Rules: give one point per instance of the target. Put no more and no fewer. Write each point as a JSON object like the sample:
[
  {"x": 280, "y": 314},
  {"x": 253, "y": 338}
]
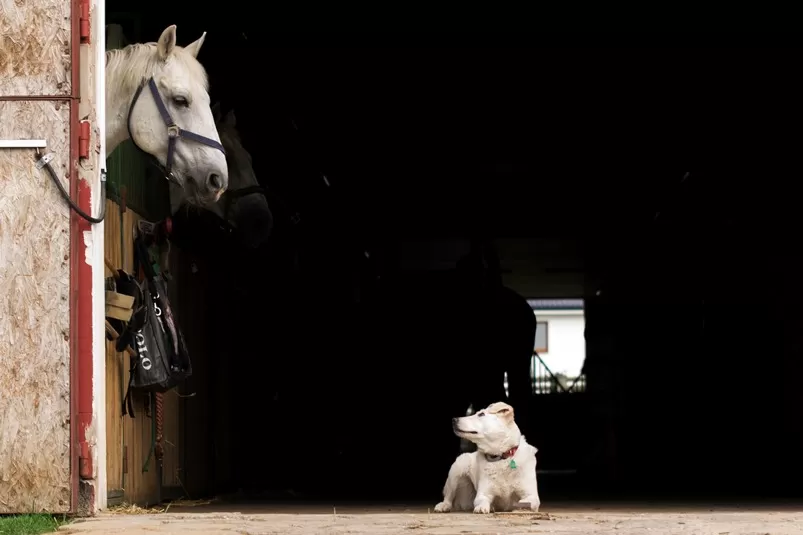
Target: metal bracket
[
  {"x": 44, "y": 160},
  {"x": 23, "y": 143}
]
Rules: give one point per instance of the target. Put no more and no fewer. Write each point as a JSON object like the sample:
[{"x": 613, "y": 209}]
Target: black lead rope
[
  {"x": 43, "y": 162},
  {"x": 174, "y": 132}
]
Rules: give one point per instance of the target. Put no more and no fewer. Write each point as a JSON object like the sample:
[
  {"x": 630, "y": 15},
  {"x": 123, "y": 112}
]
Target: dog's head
[{"x": 492, "y": 429}]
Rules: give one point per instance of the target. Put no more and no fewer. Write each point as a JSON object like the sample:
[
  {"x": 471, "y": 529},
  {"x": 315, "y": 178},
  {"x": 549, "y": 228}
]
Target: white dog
[{"x": 499, "y": 474}]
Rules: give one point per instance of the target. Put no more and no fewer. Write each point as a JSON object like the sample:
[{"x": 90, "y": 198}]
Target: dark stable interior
[{"x": 334, "y": 373}]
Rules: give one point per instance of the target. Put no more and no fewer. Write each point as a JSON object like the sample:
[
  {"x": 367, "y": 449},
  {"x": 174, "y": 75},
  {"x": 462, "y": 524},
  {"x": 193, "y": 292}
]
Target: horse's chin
[
  {"x": 197, "y": 200},
  {"x": 192, "y": 201},
  {"x": 207, "y": 201}
]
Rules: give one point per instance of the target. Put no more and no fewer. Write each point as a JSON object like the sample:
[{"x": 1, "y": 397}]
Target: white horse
[
  {"x": 244, "y": 205},
  {"x": 157, "y": 94}
]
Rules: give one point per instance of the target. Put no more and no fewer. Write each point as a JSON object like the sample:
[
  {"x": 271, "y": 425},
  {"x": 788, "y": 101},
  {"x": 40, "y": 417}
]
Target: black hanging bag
[{"x": 161, "y": 358}]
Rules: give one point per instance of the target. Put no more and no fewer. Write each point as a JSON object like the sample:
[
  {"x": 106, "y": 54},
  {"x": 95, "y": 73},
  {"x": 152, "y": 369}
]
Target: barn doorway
[{"x": 319, "y": 356}]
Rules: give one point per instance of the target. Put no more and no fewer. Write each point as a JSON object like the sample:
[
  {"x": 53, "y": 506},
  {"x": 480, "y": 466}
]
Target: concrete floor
[{"x": 297, "y": 519}]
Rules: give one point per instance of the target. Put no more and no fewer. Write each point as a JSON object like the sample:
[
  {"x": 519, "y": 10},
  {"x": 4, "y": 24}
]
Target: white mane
[{"x": 128, "y": 66}]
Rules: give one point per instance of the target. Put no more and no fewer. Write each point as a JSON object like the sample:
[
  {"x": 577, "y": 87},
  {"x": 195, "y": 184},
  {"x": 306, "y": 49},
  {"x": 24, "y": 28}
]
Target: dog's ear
[
  {"x": 505, "y": 413},
  {"x": 502, "y": 410}
]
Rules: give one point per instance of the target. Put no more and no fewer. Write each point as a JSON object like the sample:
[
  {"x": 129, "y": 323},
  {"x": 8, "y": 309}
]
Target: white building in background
[{"x": 559, "y": 342}]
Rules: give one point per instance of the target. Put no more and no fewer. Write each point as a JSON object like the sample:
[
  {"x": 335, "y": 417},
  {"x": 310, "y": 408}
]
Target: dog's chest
[{"x": 501, "y": 476}]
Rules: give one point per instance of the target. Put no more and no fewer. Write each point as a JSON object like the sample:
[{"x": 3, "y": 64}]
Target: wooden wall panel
[{"x": 132, "y": 437}]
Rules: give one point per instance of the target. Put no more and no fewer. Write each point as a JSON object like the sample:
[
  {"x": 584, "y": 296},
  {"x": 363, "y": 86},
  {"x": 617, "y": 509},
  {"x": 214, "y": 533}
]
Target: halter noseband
[{"x": 174, "y": 132}]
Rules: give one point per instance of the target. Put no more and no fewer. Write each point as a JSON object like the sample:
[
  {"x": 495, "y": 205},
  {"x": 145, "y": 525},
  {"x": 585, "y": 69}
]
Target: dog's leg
[
  {"x": 464, "y": 499},
  {"x": 482, "y": 502},
  {"x": 530, "y": 497},
  {"x": 449, "y": 491},
  {"x": 457, "y": 472}
]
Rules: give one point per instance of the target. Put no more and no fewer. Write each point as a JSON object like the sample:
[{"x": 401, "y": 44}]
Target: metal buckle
[{"x": 173, "y": 131}]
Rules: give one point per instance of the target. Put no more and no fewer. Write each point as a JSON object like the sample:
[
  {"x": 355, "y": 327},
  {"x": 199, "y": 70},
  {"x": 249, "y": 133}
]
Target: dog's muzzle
[{"x": 456, "y": 427}]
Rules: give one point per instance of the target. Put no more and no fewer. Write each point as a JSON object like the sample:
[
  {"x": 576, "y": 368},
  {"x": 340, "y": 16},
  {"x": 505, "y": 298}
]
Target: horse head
[
  {"x": 244, "y": 205},
  {"x": 157, "y": 94}
]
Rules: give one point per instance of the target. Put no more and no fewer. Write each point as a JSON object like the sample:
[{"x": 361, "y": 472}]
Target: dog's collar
[{"x": 506, "y": 455}]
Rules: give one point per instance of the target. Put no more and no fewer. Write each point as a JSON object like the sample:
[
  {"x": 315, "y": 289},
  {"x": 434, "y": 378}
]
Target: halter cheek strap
[{"x": 174, "y": 132}]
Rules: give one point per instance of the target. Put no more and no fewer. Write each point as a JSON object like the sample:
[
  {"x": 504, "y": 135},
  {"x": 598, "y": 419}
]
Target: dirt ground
[{"x": 575, "y": 519}]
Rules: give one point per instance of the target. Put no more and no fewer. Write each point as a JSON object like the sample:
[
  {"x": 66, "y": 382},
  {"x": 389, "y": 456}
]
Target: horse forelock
[{"x": 140, "y": 60}]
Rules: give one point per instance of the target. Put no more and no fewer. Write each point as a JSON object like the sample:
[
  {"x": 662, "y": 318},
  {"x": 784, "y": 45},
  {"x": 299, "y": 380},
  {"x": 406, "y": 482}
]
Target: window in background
[{"x": 541, "y": 337}]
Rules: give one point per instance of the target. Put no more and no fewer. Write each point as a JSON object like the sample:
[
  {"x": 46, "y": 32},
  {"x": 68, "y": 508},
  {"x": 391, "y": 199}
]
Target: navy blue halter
[{"x": 174, "y": 132}]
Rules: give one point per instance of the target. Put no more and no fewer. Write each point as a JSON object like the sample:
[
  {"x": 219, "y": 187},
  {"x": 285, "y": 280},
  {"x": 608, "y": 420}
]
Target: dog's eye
[{"x": 480, "y": 414}]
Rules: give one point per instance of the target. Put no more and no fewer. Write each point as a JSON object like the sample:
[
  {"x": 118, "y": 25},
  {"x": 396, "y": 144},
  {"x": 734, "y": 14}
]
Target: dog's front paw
[
  {"x": 531, "y": 505},
  {"x": 443, "y": 507},
  {"x": 483, "y": 508}
]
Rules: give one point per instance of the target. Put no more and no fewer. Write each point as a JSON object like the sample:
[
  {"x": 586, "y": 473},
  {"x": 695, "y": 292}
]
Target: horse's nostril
[{"x": 215, "y": 181}]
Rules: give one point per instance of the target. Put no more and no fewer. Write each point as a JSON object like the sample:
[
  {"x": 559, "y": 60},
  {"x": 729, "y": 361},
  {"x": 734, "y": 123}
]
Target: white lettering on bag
[{"x": 142, "y": 349}]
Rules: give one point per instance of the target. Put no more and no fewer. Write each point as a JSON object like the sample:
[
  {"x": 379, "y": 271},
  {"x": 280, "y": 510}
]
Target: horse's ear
[
  {"x": 195, "y": 47},
  {"x": 216, "y": 112},
  {"x": 167, "y": 42},
  {"x": 230, "y": 120}
]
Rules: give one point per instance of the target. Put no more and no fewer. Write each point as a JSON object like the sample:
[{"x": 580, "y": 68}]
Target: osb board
[
  {"x": 133, "y": 434},
  {"x": 34, "y": 314},
  {"x": 35, "y": 47}
]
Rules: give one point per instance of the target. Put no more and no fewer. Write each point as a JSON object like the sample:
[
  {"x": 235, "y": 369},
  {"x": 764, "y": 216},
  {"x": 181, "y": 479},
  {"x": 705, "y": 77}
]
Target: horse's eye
[
  {"x": 181, "y": 101},
  {"x": 481, "y": 414}
]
